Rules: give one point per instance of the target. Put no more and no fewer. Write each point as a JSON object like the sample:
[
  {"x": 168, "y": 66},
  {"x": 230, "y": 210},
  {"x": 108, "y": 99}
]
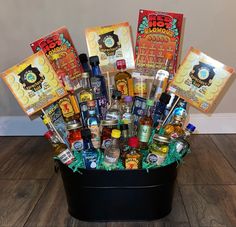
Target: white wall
[{"x": 209, "y": 26}]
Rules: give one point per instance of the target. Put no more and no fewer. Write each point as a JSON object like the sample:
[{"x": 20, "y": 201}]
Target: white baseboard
[{"x": 206, "y": 124}]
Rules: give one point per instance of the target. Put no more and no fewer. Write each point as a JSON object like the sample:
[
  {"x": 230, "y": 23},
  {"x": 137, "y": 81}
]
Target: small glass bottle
[
  {"x": 60, "y": 149},
  {"x": 133, "y": 158},
  {"x": 124, "y": 139},
  {"x": 145, "y": 125},
  {"x": 112, "y": 154},
  {"x": 160, "y": 109},
  {"x": 97, "y": 79},
  {"x": 123, "y": 79},
  {"x": 107, "y": 126},
  {"x": 160, "y": 81},
  {"x": 67, "y": 109},
  {"x": 175, "y": 128},
  {"x": 158, "y": 149},
  {"x": 89, "y": 153},
  {"x": 115, "y": 111},
  {"x": 75, "y": 138},
  {"x": 93, "y": 124},
  {"x": 86, "y": 92},
  {"x": 127, "y": 116},
  {"x": 84, "y": 62},
  {"x": 181, "y": 144}
]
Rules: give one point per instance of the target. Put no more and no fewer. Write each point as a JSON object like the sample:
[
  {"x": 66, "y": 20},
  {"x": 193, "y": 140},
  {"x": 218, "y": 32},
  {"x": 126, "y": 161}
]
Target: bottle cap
[
  {"x": 128, "y": 99},
  {"x": 190, "y": 127},
  {"x": 86, "y": 133},
  {"x": 161, "y": 138},
  {"x": 121, "y": 64},
  {"x": 73, "y": 126},
  {"x": 133, "y": 142},
  {"x": 165, "y": 98},
  {"x": 150, "y": 102},
  {"x": 91, "y": 103},
  {"x": 49, "y": 134},
  {"x": 168, "y": 56},
  {"x": 115, "y": 133},
  {"x": 83, "y": 58},
  {"x": 94, "y": 61},
  {"x": 85, "y": 75},
  {"x": 109, "y": 122},
  {"x": 124, "y": 127},
  {"x": 178, "y": 117},
  {"x": 116, "y": 94}
]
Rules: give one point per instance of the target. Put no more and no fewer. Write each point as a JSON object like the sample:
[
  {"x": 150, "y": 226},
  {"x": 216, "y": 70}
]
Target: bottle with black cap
[
  {"x": 97, "y": 79},
  {"x": 84, "y": 62},
  {"x": 115, "y": 110},
  {"x": 89, "y": 153},
  {"x": 160, "y": 109}
]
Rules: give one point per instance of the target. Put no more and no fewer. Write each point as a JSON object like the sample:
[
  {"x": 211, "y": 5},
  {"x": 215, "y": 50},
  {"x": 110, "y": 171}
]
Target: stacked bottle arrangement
[{"x": 122, "y": 129}]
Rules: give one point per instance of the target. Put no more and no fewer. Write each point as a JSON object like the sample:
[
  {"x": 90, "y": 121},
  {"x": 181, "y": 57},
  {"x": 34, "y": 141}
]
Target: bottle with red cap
[
  {"x": 123, "y": 79},
  {"x": 60, "y": 150},
  {"x": 133, "y": 158}
]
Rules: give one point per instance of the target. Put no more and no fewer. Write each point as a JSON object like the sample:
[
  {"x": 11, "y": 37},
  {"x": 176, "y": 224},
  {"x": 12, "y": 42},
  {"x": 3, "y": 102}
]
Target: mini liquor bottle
[
  {"x": 115, "y": 111},
  {"x": 133, "y": 158},
  {"x": 160, "y": 81},
  {"x": 158, "y": 149},
  {"x": 159, "y": 110},
  {"x": 181, "y": 144},
  {"x": 84, "y": 62},
  {"x": 68, "y": 112},
  {"x": 145, "y": 126},
  {"x": 175, "y": 128},
  {"x": 89, "y": 153},
  {"x": 112, "y": 154},
  {"x": 60, "y": 150},
  {"x": 97, "y": 79},
  {"x": 124, "y": 140},
  {"x": 86, "y": 92},
  {"x": 123, "y": 80},
  {"x": 75, "y": 138},
  {"x": 127, "y": 116},
  {"x": 93, "y": 124}
]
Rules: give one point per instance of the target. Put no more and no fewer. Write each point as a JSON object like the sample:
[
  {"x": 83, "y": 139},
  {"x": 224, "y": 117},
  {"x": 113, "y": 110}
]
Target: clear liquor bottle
[
  {"x": 115, "y": 110},
  {"x": 127, "y": 116},
  {"x": 112, "y": 154}
]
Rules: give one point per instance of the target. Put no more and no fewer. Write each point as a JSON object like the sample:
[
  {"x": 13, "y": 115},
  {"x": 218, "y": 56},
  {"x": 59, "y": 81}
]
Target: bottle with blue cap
[{"x": 181, "y": 144}]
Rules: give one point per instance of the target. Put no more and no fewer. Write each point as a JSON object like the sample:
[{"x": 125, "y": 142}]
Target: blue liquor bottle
[
  {"x": 97, "y": 79},
  {"x": 89, "y": 153}
]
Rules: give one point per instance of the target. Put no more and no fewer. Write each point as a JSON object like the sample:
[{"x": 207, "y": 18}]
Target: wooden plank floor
[{"x": 31, "y": 194}]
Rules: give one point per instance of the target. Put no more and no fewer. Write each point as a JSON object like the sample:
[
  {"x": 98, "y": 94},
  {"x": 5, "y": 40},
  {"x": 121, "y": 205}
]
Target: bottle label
[
  {"x": 96, "y": 85},
  {"x": 109, "y": 159},
  {"x": 95, "y": 136},
  {"x": 85, "y": 96},
  {"x": 112, "y": 116},
  {"x": 77, "y": 145},
  {"x": 66, "y": 157},
  {"x": 131, "y": 163},
  {"x": 155, "y": 159},
  {"x": 122, "y": 86},
  {"x": 66, "y": 107},
  {"x": 144, "y": 133},
  {"x": 106, "y": 143}
]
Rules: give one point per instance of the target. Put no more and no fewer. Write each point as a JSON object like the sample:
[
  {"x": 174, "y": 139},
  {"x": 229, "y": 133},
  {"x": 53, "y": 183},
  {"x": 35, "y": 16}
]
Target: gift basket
[{"x": 118, "y": 127}]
